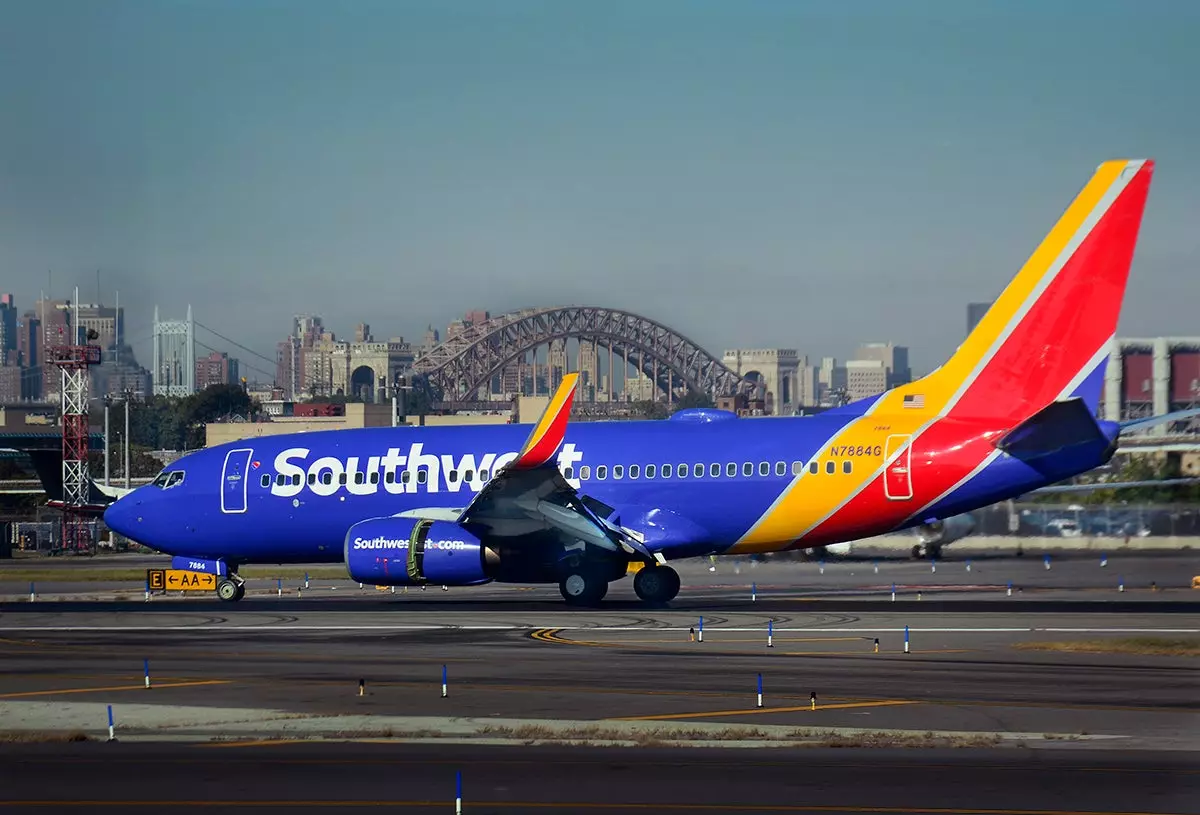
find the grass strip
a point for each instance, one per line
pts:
(1141, 646)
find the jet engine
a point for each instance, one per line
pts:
(412, 551)
(936, 534)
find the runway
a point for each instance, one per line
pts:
(1090, 579)
(423, 779)
(1066, 697)
(975, 673)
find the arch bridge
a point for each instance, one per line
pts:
(458, 369)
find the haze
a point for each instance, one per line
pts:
(805, 175)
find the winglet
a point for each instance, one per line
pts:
(548, 433)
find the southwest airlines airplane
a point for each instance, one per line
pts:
(1012, 411)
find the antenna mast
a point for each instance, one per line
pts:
(73, 359)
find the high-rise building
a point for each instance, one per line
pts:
(975, 312)
(218, 368)
(865, 378)
(894, 359)
(8, 324)
(291, 355)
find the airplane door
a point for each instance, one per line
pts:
(897, 478)
(234, 480)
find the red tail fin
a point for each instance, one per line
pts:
(1048, 334)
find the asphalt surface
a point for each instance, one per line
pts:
(1076, 732)
(966, 672)
(1079, 577)
(423, 778)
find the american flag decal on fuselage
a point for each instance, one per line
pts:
(914, 400)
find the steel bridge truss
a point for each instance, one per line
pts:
(460, 366)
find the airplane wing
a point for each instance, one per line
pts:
(1177, 416)
(47, 464)
(1115, 485)
(530, 494)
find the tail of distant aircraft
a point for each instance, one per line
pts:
(1048, 335)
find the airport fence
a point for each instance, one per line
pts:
(1077, 520)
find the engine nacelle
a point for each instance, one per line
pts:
(411, 551)
(937, 534)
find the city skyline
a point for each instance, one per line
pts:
(753, 175)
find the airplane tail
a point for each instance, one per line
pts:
(1048, 335)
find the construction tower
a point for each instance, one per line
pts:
(73, 360)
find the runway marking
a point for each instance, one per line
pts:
(755, 710)
(282, 627)
(572, 805)
(550, 635)
(677, 640)
(256, 743)
(157, 686)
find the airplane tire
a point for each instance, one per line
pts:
(656, 584)
(229, 591)
(583, 587)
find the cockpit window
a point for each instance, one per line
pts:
(168, 478)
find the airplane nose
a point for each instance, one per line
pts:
(121, 516)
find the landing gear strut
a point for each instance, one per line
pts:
(656, 584)
(231, 588)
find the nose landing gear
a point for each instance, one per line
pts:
(231, 588)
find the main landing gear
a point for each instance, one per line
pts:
(231, 588)
(583, 586)
(656, 584)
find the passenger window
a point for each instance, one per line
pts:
(847, 466)
(602, 472)
(266, 480)
(634, 471)
(666, 471)
(780, 468)
(483, 475)
(569, 474)
(814, 467)
(731, 469)
(327, 477)
(747, 469)
(452, 476)
(698, 470)
(797, 467)
(764, 468)
(341, 478)
(651, 471)
(681, 471)
(295, 480)
(374, 476)
(585, 472)
(360, 478)
(830, 467)
(422, 475)
(390, 476)
(312, 478)
(406, 476)
(279, 479)
(618, 471)
(714, 470)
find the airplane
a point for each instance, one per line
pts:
(1012, 410)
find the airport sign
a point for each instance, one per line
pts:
(180, 580)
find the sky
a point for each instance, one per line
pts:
(753, 174)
